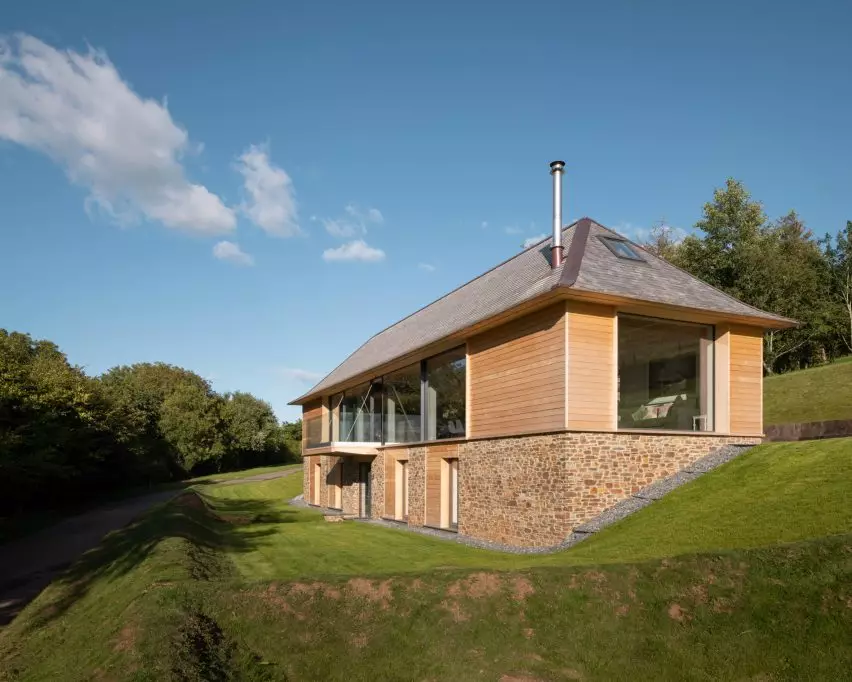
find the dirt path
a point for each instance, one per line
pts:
(29, 564)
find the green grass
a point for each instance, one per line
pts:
(245, 473)
(809, 395)
(745, 573)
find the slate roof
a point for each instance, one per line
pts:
(589, 266)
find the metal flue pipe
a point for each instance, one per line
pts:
(557, 254)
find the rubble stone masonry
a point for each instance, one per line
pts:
(532, 491)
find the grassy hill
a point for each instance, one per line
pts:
(746, 573)
(809, 395)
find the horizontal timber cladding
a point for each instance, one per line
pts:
(435, 454)
(516, 374)
(746, 382)
(314, 482)
(334, 483)
(416, 486)
(311, 410)
(592, 346)
(433, 488)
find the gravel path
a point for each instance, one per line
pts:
(29, 564)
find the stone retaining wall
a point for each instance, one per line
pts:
(532, 491)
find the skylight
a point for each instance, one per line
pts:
(621, 248)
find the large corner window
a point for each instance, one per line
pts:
(665, 375)
(359, 418)
(445, 395)
(424, 401)
(403, 414)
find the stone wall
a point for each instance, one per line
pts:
(416, 486)
(531, 491)
(351, 498)
(307, 463)
(377, 486)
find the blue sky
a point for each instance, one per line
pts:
(358, 160)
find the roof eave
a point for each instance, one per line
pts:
(765, 321)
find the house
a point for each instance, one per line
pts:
(539, 394)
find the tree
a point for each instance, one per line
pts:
(291, 436)
(732, 228)
(664, 241)
(789, 278)
(54, 439)
(251, 431)
(773, 266)
(838, 257)
(191, 422)
(65, 435)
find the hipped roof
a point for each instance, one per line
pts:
(589, 267)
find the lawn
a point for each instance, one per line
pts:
(745, 573)
(781, 492)
(245, 473)
(816, 394)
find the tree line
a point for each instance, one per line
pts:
(776, 265)
(65, 436)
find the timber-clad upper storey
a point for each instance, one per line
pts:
(591, 267)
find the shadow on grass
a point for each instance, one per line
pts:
(210, 534)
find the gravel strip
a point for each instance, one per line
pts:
(613, 514)
(664, 486)
(717, 458)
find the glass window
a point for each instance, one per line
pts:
(665, 375)
(621, 248)
(445, 395)
(360, 415)
(402, 406)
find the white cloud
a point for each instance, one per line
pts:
(303, 375)
(124, 149)
(272, 204)
(512, 229)
(484, 225)
(427, 267)
(354, 250)
(355, 223)
(232, 252)
(532, 241)
(340, 228)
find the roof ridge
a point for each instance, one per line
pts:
(576, 252)
(763, 313)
